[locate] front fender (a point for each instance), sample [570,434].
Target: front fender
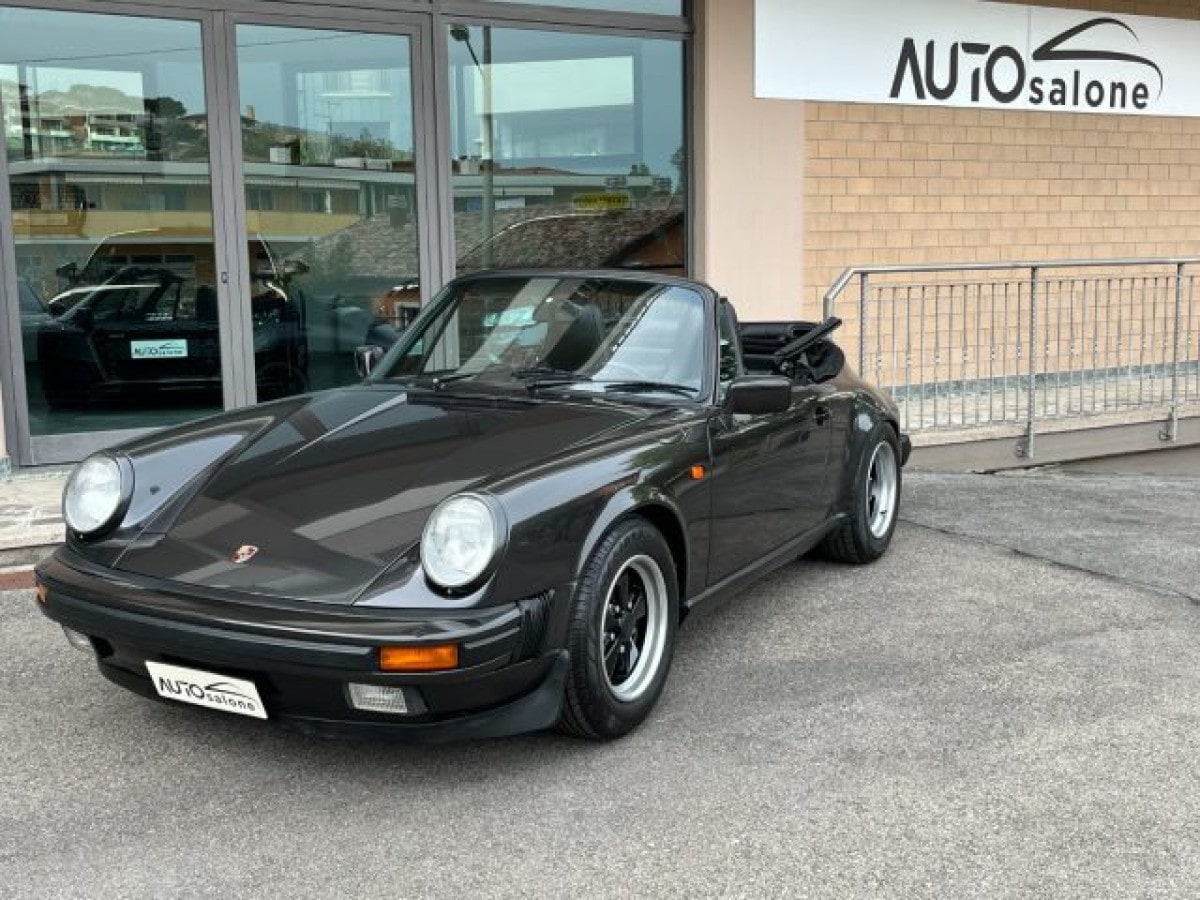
[557,519]
[661,509]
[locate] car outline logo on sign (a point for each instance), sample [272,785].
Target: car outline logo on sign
[244,554]
[1075,90]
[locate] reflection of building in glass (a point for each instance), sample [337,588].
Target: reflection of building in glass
[56,123]
[585,113]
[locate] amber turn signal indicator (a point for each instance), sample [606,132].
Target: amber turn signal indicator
[41,591]
[697,473]
[432,658]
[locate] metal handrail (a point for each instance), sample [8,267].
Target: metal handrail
[831,295]
[1059,321]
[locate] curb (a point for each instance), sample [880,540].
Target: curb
[23,559]
[16,579]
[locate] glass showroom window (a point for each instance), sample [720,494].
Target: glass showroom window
[568,149]
[328,143]
[106,133]
[652,7]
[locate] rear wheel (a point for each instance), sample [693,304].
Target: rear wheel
[622,633]
[874,502]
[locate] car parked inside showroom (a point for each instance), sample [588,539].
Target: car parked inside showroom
[146,329]
[499,530]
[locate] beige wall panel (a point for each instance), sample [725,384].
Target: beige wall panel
[751,191]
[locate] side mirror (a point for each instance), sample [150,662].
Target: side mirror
[758,395]
[366,359]
[56,308]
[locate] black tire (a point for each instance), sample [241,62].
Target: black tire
[614,681]
[864,536]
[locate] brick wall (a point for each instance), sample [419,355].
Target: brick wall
[909,184]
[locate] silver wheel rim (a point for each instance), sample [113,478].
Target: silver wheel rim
[634,628]
[881,490]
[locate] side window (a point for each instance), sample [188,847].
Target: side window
[163,307]
[729,349]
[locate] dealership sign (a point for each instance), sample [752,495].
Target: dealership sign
[976,54]
[174,349]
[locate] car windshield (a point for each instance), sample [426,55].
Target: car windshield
[583,334]
[136,295]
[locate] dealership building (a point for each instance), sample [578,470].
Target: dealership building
[207,203]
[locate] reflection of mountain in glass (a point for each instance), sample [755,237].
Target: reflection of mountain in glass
[95,121]
[98,121]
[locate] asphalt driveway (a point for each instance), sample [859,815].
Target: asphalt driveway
[1006,705]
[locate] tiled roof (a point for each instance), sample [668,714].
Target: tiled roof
[551,235]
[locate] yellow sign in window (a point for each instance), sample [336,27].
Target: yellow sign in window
[614,200]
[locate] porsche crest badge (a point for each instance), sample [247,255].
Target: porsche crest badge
[244,554]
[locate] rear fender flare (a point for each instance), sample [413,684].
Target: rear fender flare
[864,416]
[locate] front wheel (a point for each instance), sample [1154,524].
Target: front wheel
[622,633]
[874,502]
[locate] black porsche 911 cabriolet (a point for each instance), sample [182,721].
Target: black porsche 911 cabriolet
[499,530]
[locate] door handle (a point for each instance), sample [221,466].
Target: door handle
[821,415]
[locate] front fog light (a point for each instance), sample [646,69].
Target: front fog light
[80,642]
[378,698]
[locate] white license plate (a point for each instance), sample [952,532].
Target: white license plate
[232,695]
[173,349]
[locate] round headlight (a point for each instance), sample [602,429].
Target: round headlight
[93,494]
[460,541]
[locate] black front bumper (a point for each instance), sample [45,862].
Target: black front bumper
[302,656]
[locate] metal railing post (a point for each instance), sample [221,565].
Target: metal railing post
[1171,431]
[863,284]
[1025,445]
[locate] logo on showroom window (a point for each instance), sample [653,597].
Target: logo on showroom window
[174,349]
[1063,73]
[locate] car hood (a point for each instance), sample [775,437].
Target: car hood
[328,492]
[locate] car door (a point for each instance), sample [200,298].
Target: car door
[768,471]
[768,479]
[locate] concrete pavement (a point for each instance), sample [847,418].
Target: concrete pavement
[30,521]
[1007,705]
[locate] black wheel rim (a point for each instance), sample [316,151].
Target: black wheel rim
[634,628]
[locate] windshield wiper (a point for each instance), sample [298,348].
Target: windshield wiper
[547,372]
[547,376]
[532,377]
[451,377]
[645,387]
[439,380]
